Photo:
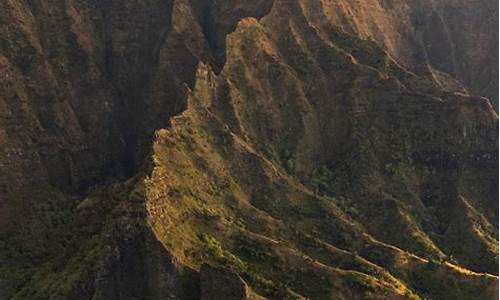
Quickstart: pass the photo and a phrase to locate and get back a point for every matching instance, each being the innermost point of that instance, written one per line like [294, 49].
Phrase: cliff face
[427, 37]
[317, 149]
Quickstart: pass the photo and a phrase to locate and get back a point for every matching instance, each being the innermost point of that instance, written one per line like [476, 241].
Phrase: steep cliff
[316, 149]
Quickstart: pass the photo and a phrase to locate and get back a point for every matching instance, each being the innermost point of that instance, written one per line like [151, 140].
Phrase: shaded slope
[243, 111]
[427, 37]
[84, 86]
[308, 150]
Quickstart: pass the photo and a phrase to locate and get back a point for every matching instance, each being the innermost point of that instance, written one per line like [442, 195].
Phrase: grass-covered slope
[316, 164]
[303, 157]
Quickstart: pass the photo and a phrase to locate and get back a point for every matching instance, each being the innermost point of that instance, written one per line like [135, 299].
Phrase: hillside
[286, 149]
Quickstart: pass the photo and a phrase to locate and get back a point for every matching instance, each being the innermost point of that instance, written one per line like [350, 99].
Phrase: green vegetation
[312, 165]
[214, 249]
[322, 180]
[63, 280]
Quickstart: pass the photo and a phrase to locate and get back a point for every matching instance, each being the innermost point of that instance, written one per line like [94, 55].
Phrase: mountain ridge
[299, 108]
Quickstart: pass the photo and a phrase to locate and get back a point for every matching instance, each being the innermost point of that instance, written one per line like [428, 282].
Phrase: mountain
[286, 149]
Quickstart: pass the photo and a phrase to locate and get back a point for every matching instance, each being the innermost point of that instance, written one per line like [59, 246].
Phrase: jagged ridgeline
[286, 149]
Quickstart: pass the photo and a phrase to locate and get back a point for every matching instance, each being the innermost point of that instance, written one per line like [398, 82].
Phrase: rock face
[219, 283]
[426, 36]
[134, 265]
[320, 149]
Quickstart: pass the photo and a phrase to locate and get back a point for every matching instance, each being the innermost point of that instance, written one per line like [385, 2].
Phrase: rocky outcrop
[219, 283]
[137, 266]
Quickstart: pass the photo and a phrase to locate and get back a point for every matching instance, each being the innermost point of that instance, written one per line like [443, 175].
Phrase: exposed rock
[220, 283]
[322, 149]
[137, 266]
